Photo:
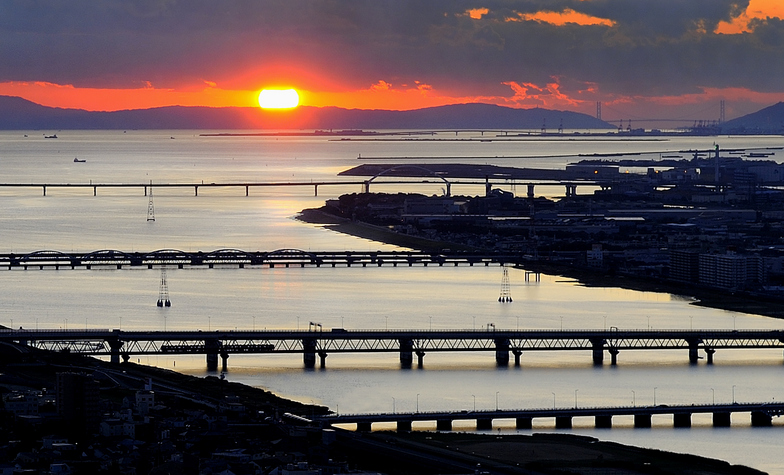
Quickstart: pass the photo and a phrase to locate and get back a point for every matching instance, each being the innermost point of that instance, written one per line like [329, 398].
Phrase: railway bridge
[315, 343]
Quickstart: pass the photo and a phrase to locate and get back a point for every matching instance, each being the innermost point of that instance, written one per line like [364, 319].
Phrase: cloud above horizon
[584, 50]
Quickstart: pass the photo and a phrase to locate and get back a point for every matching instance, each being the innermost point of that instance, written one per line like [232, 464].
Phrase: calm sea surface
[356, 298]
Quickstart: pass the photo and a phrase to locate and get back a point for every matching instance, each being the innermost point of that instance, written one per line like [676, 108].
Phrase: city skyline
[641, 59]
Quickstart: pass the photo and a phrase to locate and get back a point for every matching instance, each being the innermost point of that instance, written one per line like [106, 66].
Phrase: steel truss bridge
[313, 342]
[761, 416]
[52, 259]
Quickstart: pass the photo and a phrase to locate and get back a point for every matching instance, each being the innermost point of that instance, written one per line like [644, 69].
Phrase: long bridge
[314, 342]
[761, 416]
[53, 259]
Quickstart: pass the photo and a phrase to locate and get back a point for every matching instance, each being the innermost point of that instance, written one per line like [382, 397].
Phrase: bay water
[72, 219]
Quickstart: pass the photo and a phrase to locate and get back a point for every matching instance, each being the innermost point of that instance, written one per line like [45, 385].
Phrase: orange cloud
[757, 9]
[477, 13]
[561, 18]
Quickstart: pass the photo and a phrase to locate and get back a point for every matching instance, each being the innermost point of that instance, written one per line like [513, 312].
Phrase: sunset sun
[278, 99]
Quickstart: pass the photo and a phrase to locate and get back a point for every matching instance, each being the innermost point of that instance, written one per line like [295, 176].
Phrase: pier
[312, 343]
[761, 414]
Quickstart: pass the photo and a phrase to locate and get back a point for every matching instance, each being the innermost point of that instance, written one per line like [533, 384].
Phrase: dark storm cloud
[654, 47]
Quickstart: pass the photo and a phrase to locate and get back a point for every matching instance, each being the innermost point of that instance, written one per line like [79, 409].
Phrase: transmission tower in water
[151, 207]
[506, 288]
[163, 292]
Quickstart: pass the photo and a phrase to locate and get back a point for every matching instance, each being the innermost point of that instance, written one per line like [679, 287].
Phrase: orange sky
[385, 93]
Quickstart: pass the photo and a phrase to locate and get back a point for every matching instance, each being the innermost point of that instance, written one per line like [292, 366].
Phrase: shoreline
[721, 300]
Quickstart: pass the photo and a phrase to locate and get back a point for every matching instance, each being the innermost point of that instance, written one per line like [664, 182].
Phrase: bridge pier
[196, 190]
[694, 357]
[115, 346]
[44, 190]
[364, 426]
[721, 419]
[524, 423]
[309, 353]
[246, 190]
[444, 424]
[642, 421]
[224, 361]
[709, 354]
[315, 190]
[502, 352]
[420, 359]
[598, 352]
[125, 357]
[614, 356]
[681, 419]
[323, 359]
[404, 426]
[484, 423]
[760, 419]
[212, 348]
[563, 422]
[406, 353]
[603, 422]
[530, 190]
[517, 354]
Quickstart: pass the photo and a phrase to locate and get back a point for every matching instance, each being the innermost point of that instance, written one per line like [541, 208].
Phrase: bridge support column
[614, 356]
[44, 190]
[315, 190]
[502, 352]
[694, 357]
[603, 422]
[530, 190]
[598, 352]
[246, 190]
[563, 422]
[309, 353]
[212, 347]
[115, 346]
[125, 357]
[323, 359]
[681, 420]
[364, 426]
[517, 354]
[760, 419]
[404, 426]
[721, 419]
[406, 353]
[524, 423]
[642, 421]
[195, 191]
[444, 424]
[448, 189]
[484, 424]
[224, 361]
[709, 354]
[420, 359]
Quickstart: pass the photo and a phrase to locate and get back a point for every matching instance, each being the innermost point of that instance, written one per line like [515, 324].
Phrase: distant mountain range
[769, 120]
[19, 114]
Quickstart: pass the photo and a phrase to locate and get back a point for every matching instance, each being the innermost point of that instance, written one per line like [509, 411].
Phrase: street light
[713, 394]
[654, 396]
[473, 396]
[417, 403]
[575, 398]
[496, 400]
[393, 405]
[553, 400]
[733, 394]
[634, 398]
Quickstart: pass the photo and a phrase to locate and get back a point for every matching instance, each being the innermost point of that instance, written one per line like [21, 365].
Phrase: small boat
[50, 136]
[76, 160]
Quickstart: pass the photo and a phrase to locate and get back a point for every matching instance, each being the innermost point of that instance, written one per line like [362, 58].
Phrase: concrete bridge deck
[761, 416]
[314, 342]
